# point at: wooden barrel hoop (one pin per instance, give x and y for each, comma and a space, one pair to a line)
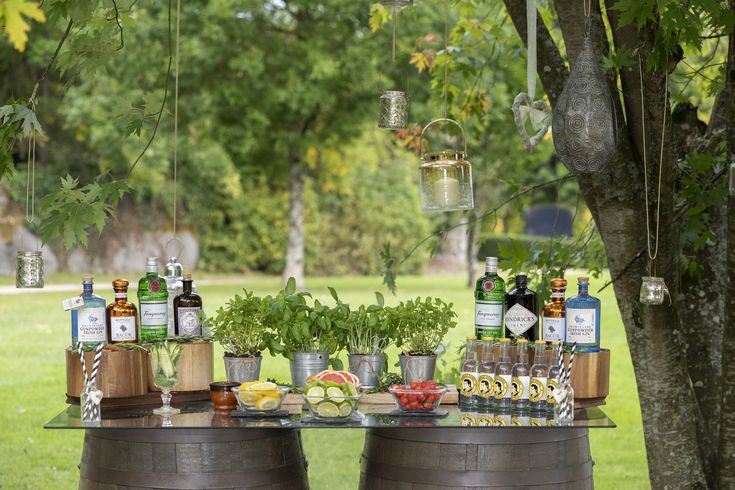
470, 458
192, 459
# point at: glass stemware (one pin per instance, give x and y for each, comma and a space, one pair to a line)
165, 358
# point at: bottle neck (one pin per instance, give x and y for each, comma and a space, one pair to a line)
87, 289
187, 287
540, 356
121, 295
522, 354
555, 355
584, 289
505, 352
557, 295
151, 272
491, 270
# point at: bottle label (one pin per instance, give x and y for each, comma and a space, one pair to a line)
122, 328
557, 294
485, 420
519, 319
502, 420
502, 386
486, 386
153, 319
189, 321
489, 314
553, 328
520, 420
121, 295
488, 286
91, 325
520, 388
550, 387
537, 421
467, 419
538, 389
581, 325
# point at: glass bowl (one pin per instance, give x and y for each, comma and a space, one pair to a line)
332, 407
261, 401
417, 400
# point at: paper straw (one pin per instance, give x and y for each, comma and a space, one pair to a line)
89, 407
571, 362
84, 366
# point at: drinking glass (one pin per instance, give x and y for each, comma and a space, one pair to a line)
165, 358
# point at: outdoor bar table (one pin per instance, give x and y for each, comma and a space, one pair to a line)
198, 448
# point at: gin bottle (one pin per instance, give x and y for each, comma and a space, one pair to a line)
554, 321
122, 316
88, 322
521, 377
521, 311
551, 381
539, 375
469, 373
583, 319
489, 300
486, 380
153, 301
503, 375
173, 272
188, 310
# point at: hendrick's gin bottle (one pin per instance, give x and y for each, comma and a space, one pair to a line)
521, 311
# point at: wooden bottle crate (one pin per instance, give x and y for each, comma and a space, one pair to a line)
590, 376
122, 372
196, 370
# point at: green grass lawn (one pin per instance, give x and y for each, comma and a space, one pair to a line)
32, 385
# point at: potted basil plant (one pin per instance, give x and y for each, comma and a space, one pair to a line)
420, 326
307, 335
241, 327
370, 332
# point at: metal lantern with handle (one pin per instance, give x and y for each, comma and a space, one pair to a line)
29, 270
445, 177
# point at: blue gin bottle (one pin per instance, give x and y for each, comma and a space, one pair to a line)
88, 323
583, 319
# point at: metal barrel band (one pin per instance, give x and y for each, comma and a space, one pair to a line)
438, 120
193, 480
474, 478
473, 436
194, 436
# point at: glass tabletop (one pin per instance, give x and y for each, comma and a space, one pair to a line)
200, 415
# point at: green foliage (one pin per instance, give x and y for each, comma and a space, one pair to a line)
420, 325
13, 15
241, 325
370, 332
71, 211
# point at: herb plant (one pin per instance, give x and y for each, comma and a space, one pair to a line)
420, 325
241, 326
370, 331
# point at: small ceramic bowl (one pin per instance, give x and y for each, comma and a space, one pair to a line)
223, 398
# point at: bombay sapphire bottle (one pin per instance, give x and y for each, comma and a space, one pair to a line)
88, 324
583, 319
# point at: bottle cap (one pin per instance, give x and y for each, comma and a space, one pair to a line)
521, 281
120, 283
505, 339
491, 261
187, 277
522, 341
151, 261
88, 280
559, 282
540, 342
488, 338
583, 280
554, 342
469, 337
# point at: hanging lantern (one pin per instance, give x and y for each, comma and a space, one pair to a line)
584, 124
653, 291
396, 3
445, 177
29, 270
393, 110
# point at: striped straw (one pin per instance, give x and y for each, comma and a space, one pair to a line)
571, 362
562, 368
84, 366
89, 408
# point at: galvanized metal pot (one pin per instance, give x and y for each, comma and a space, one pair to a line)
417, 368
242, 369
368, 367
305, 364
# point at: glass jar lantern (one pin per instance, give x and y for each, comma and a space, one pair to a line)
29, 270
653, 291
445, 177
393, 110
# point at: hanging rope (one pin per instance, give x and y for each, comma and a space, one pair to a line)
446, 53
587, 7
531, 41
394, 33
176, 106
653, 254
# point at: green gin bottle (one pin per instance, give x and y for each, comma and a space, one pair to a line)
489, 301
153, 301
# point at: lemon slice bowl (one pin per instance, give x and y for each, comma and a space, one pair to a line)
261, 399
331, 408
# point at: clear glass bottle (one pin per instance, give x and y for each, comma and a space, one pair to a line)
188, 310
521, 377
122, 316
554, 313
173, 272
521, 311
489, 301
486, 380
539, 374
469, 374
564, 405
551, 379
88, 324
583, 319
153, 301
503, 375
90, 403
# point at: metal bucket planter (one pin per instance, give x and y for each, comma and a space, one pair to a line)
417, 368
242, 369
368, 367
305, 364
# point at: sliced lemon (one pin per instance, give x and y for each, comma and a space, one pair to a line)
267, 403
327, 410
345, 409
264, 386
249, 398
248, 384
335, 394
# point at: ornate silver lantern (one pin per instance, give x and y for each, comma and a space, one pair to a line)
445, 177
29, 270
393, 110
584, 124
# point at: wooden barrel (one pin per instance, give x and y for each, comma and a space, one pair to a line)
192, 458
440, 459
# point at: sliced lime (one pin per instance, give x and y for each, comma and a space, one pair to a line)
315, 392
345, 409
327, 410
335, 394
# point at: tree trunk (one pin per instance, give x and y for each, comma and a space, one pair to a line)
295, 248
